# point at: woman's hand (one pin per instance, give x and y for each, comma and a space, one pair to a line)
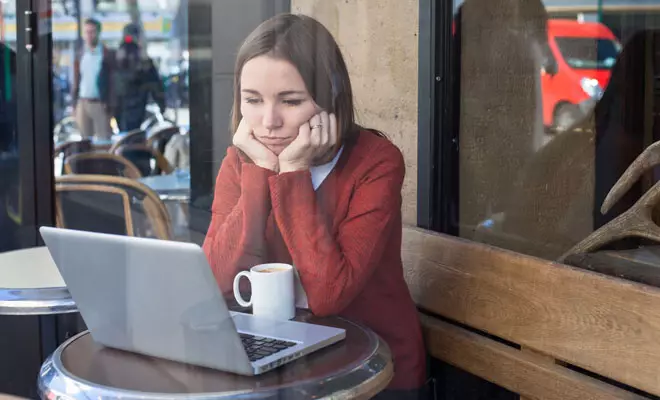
259, 154
315, 139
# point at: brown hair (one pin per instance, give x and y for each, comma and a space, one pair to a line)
307, 44
95, 22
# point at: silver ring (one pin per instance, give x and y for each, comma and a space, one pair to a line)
316, 126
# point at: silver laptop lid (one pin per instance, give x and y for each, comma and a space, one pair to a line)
150, 296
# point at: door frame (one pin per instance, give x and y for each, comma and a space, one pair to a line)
34, 123
438, 118
42, 88
29, 339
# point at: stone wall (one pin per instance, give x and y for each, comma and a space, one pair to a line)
379, 41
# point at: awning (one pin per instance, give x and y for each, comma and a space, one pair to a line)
592, 5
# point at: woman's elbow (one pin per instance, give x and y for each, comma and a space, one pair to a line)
322, 310
325, 306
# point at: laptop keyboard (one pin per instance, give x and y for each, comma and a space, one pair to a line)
258, 347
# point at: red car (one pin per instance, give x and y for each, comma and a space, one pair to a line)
585, 53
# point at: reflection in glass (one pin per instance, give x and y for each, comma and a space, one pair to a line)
138, 82
540, 144
588, 53
10, 217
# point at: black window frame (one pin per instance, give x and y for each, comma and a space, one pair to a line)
438, 119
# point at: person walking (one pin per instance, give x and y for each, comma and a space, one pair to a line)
92, 71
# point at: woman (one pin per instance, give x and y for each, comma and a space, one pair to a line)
305, 185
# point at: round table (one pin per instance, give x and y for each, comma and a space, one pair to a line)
356, 368
30, 284
173, 187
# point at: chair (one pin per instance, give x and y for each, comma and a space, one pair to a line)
110, 204
73, 147
136, 136
70, 148
101, 164
159, 138
148, 160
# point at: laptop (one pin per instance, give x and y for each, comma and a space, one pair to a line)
159, 298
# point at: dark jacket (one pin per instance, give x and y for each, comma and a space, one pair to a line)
104, 78
135, 79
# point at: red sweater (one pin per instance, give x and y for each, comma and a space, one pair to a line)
344, 239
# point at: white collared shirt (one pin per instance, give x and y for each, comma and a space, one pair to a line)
320, 172
90, 68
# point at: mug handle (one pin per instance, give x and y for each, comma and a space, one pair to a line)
237, 293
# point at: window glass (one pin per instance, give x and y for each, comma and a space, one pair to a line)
554, 104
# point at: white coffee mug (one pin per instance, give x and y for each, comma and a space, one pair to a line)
273, 293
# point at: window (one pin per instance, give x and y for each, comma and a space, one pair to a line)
581, 53
548, 108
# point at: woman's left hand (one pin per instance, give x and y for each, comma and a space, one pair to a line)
315, 139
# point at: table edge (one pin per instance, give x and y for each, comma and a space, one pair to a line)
28, 301
53, 366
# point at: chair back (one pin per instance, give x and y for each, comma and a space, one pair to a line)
101, 164
159, 138
97, 203
73, 147
70, 148
94, 208
148, 160
136, 136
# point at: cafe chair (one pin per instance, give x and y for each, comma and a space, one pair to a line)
70, 148
148, 160
136, 136
110, 204
159, 138
101, 164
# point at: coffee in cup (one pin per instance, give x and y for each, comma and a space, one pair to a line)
273, 292
271, 270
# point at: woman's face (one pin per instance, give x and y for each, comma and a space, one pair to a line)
274, 101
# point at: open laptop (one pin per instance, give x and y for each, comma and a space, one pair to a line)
160, 298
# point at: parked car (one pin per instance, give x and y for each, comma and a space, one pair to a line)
585, 53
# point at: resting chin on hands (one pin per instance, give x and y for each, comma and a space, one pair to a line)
315, 139
260, 155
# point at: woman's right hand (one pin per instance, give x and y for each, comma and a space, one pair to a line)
260, 155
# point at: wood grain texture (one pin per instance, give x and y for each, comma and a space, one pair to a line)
526, 373
605, 325
539, 359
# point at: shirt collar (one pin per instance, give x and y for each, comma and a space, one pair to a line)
94, 50
320, 172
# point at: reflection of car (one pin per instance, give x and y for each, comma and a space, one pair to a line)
584, 52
